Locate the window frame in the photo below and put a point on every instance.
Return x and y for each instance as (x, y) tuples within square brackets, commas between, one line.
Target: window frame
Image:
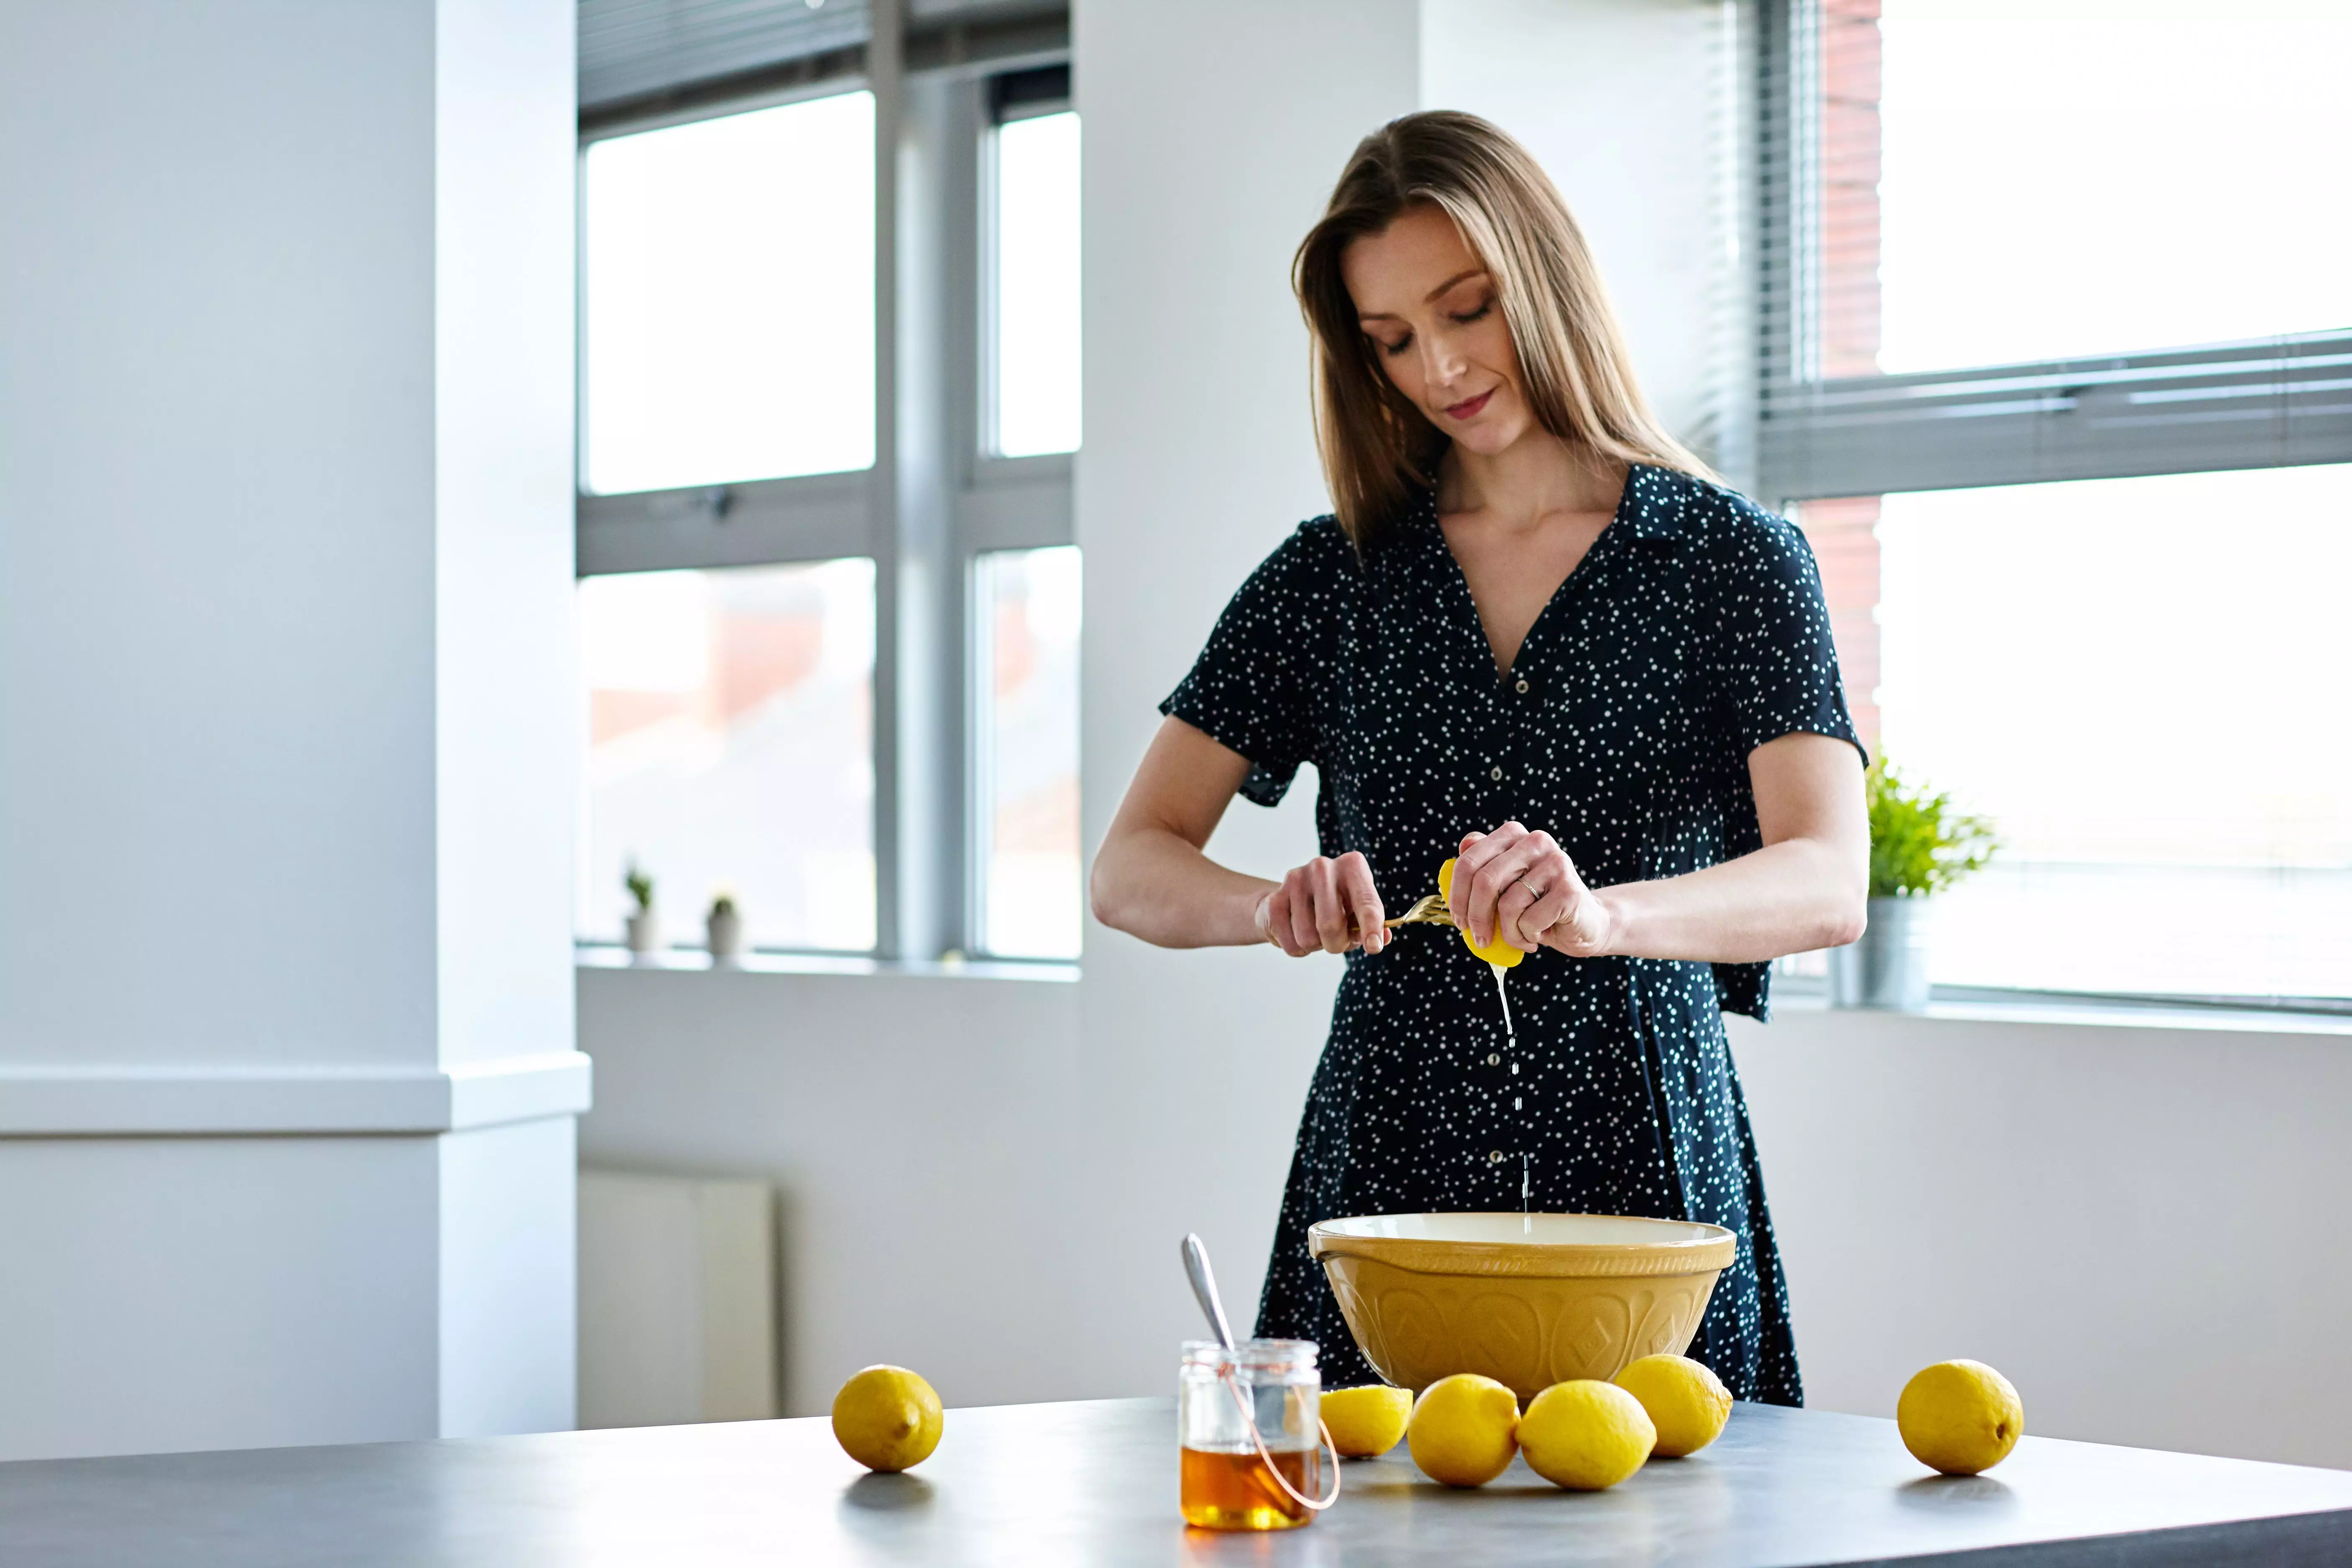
[(2284, 400), (934, 501)]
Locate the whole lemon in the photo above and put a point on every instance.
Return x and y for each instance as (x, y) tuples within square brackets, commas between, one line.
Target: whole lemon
[(1687, 1403), (1959, 1418), (1500, 953), (887, 1418), (1586, 1435), (1366, 1421), (1464, 1429)]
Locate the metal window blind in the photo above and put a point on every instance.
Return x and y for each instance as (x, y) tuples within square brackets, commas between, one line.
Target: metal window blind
[(1831, 206), (631, 48)]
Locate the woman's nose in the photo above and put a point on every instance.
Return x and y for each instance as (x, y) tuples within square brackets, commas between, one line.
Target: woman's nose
[(1442, 359)]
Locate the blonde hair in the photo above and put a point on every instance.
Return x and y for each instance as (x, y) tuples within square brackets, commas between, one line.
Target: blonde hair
[(1377, 446)]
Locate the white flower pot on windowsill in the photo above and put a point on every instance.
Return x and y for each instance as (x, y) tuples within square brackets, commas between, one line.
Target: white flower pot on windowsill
[(726, 936), (1888, 967), (644, 934)]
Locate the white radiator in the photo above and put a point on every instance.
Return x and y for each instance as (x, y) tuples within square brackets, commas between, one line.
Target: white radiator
[(677, 1301)]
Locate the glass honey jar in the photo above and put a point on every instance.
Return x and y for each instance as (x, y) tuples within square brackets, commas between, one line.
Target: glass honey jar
[(1250, 1431)]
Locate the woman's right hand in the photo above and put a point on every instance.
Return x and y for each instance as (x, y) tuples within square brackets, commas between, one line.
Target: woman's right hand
[(1325, 906)]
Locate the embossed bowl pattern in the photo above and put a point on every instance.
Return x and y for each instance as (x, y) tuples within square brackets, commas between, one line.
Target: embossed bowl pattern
[(1529, 1300)]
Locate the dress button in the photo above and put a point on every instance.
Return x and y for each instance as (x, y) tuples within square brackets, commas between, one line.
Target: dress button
[(1523, 687), (1515, 1069), (1515, 1102), (1496, 775), (1493, 1059), (1495, 1157)]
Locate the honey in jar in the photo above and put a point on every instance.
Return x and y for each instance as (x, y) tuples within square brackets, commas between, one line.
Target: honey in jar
[(1227, 1490)]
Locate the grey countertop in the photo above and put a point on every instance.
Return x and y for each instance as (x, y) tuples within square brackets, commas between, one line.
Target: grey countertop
[(1043, 1485)]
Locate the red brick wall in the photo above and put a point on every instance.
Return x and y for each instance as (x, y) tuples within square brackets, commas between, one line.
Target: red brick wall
[(1842, 531)]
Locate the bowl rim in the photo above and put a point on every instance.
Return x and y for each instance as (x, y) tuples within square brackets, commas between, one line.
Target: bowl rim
[(1708, 1253)]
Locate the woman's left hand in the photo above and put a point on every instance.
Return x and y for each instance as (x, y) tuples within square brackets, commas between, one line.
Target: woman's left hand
[(1522, 886)]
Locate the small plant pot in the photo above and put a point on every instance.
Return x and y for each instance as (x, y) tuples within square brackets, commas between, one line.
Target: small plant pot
[(1888, 967), (726, 936), (644, 934)]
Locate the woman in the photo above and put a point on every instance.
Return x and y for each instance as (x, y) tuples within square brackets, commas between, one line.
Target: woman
[(1538, 636)]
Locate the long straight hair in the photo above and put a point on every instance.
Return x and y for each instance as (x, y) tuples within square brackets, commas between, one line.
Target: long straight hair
[(1377, 448)]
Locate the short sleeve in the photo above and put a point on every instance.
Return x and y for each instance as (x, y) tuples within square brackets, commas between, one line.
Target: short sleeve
[(1774, 662), (1254, 686)]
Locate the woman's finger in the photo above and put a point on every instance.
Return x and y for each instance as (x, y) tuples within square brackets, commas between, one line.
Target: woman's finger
[(1512, 919), (1512, 847), (1544, 909), (1277, 917), (1331, 907), (1478, 851), (1532, 867), (1361, 900), (1304, 938)]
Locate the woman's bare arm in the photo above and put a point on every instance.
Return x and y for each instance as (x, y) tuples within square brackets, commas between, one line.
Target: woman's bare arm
[(1804, 889), (1151, 879)]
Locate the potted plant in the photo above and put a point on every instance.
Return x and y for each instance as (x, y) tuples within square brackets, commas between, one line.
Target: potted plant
[(725, 929), (645, 925), (1920, 845)]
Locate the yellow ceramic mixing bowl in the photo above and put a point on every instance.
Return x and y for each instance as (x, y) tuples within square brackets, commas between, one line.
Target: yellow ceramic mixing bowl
[(1526, 1299)]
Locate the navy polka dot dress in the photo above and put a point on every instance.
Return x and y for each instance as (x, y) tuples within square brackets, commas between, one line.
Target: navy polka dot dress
[(1692, 632)]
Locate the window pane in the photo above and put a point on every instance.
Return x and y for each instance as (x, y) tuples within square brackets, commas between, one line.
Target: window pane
[(728, 290), (1028, 737), (730, 748), (2069, 177), (2141, 681), (1037, 286)]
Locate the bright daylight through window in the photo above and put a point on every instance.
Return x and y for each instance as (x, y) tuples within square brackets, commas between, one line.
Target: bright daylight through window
[(2067, 177), (1027, 706), (727, 299), (2137, 678), (730, 745), (1036, 340)]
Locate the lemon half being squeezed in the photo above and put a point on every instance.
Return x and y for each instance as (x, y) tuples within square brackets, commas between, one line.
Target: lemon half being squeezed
[(1498, 953)]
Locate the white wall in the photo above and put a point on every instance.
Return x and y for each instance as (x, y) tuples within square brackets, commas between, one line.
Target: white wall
[(286, 1065), (986, 1179), (922, 1134)]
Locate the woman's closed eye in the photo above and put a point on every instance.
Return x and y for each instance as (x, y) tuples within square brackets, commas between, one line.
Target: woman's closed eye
[(1467, 317)]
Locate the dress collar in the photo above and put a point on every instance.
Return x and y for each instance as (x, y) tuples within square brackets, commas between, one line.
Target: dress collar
[(1651, 507)]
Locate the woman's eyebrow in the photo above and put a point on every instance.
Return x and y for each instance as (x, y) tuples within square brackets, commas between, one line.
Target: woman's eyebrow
[(1434, 294)]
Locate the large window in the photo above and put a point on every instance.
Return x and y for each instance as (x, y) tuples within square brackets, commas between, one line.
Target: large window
[(2059, 383), (829, 618)]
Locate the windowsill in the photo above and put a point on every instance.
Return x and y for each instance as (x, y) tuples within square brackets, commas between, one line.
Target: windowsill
[(694, 961), (2088, 1011)]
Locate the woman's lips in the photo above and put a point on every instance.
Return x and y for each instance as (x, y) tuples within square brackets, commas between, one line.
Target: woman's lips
[(1468, 408)]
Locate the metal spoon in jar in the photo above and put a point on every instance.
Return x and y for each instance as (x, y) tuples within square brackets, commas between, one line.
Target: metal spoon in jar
[(1205, 1289)]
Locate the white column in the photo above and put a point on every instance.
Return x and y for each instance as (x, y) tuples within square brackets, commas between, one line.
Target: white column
[(287, 1077)]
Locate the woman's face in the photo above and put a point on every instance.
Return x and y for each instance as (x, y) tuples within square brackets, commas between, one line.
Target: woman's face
[(1429, 307)]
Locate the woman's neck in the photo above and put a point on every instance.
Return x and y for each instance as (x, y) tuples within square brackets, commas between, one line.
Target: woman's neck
[(1535, 475)]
